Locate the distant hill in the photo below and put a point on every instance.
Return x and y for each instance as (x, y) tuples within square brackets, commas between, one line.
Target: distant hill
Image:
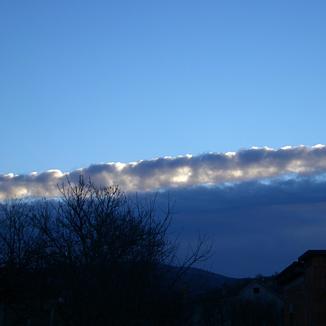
[(198, 281)]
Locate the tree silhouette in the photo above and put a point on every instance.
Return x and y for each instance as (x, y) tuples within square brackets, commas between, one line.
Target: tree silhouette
[(90, 257)]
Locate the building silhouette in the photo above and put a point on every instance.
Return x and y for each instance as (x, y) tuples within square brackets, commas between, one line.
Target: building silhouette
[(304, 290)]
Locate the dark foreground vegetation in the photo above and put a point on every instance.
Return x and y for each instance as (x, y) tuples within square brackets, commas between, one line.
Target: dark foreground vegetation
[(90, 257), (93, 257)]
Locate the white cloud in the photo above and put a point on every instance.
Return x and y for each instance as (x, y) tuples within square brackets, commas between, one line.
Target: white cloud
[(168, 172)]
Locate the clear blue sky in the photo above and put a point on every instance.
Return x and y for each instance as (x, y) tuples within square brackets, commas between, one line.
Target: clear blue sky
[(85, 82)]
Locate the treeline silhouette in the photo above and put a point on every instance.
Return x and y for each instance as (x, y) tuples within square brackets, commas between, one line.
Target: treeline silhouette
[(90, 257)]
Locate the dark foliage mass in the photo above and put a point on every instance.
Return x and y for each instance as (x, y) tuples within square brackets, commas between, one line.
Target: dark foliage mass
[(90, 257)]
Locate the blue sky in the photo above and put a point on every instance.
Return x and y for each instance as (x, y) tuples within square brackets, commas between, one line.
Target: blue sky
[(97, 81), (86, 82)]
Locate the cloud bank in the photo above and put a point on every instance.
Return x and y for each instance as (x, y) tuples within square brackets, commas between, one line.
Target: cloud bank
[(175, 172), (254, 227), (260, 207)]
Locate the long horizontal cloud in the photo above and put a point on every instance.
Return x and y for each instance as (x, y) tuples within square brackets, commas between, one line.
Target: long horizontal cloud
[(183, 171), (255, 227)]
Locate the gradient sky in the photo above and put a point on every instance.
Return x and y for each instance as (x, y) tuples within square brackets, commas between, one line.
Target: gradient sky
[(86, 82), (97, 81)]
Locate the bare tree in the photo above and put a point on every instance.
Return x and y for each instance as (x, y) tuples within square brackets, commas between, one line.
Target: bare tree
[(18, 239), (96, 256)]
